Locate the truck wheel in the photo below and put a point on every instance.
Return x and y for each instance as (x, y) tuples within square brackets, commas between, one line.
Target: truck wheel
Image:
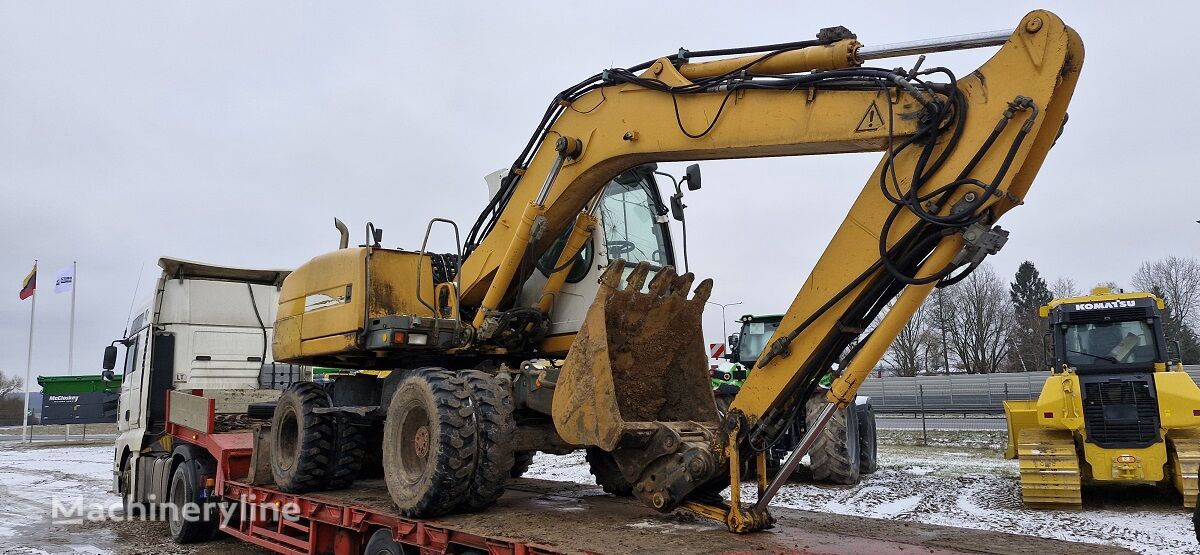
[(429, 443), (494, 425), (189, 518), (522, 460), (834, 456), (868, 446), (349, 450), (381, 543), (131, 508), (608, 474), (301, 440)]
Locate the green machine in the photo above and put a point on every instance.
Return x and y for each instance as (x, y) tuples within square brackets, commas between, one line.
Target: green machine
[(79, 399)]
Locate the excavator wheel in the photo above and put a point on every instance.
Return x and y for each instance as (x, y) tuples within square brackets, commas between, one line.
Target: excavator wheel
[(868, 444), (1183, 447), (493, 407), (1049, 467), (302, 440), (429, 443), (834, 456), (607, 474), (347, 456), (522, 460)]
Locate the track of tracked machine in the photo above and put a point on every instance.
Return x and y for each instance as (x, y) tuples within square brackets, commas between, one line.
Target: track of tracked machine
[(1050, 469), (1184, 449)]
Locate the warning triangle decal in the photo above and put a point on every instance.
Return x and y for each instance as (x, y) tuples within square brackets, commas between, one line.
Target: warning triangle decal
[(871, 120)]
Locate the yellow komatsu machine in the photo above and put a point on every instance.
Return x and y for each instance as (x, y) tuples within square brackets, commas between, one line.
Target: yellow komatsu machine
[(1115, 409), (562, 324)]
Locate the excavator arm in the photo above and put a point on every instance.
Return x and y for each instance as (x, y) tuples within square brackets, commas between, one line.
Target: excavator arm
[(959, 153)]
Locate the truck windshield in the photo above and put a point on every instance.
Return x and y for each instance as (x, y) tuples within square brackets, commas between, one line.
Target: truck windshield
[(1110, 343), (753, 339)]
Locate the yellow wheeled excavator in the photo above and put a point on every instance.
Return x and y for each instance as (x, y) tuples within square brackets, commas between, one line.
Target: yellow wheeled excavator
[(1115, 410), (561, 324)]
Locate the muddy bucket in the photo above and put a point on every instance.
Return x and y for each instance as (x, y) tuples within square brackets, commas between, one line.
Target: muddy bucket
[(639, 358)]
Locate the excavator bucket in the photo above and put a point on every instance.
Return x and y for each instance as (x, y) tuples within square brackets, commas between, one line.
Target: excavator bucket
[(638, 359)]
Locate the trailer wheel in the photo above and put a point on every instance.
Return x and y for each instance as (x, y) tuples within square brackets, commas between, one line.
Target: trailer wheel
[(868, 446), (189, 518), (429, 443), (349, 450), (381, 543), (494, 425), (522, 460), (608, 474), (302, 441), (834, 456)]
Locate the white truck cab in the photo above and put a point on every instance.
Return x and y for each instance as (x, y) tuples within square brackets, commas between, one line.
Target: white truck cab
[(206, 330)]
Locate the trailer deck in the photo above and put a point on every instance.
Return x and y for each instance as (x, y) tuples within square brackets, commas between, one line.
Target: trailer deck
[(542, 516)]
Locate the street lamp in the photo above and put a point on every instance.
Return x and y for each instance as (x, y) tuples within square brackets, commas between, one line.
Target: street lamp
[(724, 332)]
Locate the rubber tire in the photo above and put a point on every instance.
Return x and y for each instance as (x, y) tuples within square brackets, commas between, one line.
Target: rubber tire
[(128, 506), (834, 456), (1196, 522), (494, 426), (349, 451), (304, 467), (868, 442), (185, 488), (522, 460), (436, 403), (608, 475), (381, 543)]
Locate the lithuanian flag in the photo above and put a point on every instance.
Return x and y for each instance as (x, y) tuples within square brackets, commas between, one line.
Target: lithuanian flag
[(30, 284)]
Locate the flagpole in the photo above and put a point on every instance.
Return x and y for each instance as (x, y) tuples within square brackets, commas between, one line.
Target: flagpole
[(71, 333), (29, 359)]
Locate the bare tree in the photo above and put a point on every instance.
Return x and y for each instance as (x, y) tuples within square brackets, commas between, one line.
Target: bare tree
[(9, 385), (939, 318), (909, 352), (1179, 281), (979, 336), (1064, 287)]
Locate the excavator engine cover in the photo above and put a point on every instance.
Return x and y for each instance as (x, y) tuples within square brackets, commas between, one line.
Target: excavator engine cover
[(637, 363)]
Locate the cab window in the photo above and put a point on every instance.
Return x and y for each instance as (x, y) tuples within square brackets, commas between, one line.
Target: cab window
[(634, 224)]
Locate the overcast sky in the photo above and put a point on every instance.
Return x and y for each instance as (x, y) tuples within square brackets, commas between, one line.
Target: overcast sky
[(233, 133)]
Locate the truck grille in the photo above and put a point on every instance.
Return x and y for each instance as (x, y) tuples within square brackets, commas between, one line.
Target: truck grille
[(1120, 412)]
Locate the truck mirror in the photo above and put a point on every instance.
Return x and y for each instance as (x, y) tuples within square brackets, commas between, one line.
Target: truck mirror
[(677, 207), (110, 357), (107, 375), (692, 176)]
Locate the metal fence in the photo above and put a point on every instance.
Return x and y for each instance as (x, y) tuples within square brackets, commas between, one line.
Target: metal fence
[(958, 393)]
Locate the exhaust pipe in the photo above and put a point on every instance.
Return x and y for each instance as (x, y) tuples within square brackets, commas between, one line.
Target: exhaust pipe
[(345, 233)]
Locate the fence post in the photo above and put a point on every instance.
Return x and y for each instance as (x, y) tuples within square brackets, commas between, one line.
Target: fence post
[(924, 431)]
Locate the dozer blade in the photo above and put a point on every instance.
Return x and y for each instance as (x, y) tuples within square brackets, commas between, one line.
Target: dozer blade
[(639, 358)]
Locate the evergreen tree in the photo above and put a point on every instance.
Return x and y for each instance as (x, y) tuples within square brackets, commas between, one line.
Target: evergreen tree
[(1028, 293), (1177, 330)]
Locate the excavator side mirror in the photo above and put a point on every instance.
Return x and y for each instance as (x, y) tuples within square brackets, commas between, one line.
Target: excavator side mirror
[(110, 357), (692, 176)]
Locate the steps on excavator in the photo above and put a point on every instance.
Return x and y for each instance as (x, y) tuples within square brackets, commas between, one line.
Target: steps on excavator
[(1049, 469), (1183, 447)]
